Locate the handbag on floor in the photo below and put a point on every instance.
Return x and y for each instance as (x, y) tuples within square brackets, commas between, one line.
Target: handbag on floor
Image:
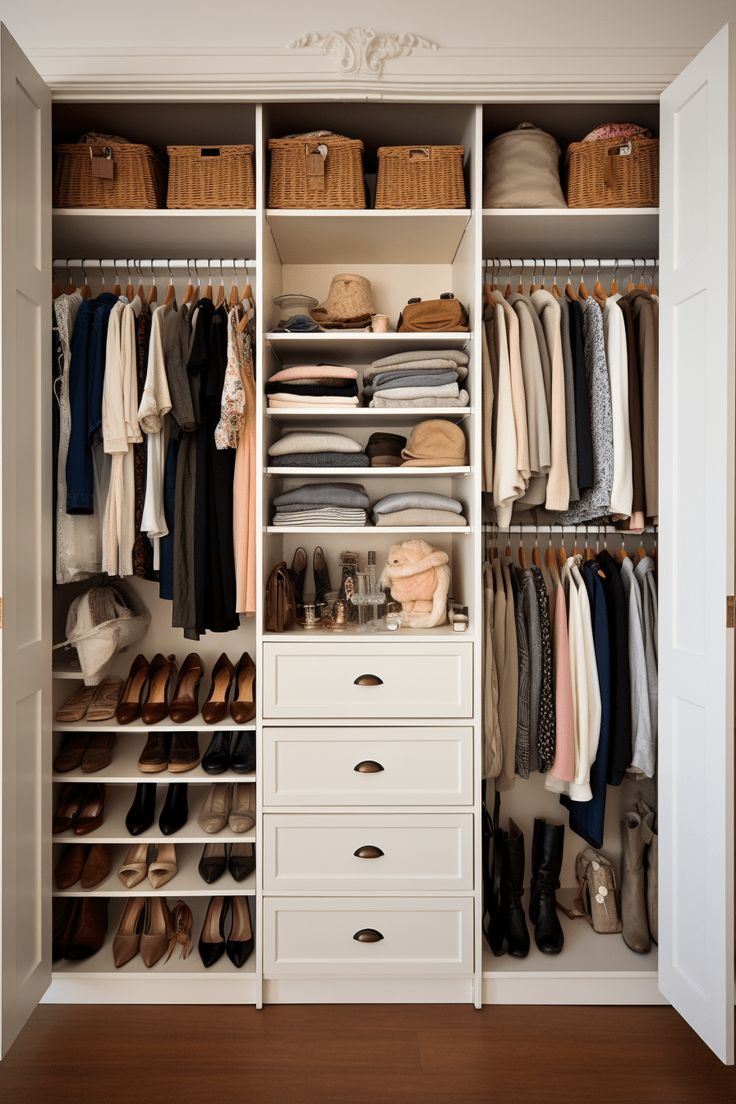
[(597, 899)]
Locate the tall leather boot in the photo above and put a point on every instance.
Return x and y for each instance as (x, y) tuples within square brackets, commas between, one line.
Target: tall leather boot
[(633, 885), (516, 932), (547, 848), (493, 925), (651, 841)]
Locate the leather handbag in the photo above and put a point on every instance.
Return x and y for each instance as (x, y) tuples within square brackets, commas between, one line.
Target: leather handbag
[(430, 315), (280, 600), (522, 169), (597, 899)]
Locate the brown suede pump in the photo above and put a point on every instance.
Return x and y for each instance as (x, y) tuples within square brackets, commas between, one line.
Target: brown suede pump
[(161, 675), (243, 705), (215, 708)]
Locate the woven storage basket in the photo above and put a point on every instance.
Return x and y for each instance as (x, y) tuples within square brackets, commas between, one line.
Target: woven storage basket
[(420, 176), (613, 173), (99, 171), (316, 171), (211, 176)]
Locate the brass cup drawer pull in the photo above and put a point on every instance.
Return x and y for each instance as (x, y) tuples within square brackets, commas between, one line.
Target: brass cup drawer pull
[(368, 935), (368, 766), (368, 680), (368, 851)]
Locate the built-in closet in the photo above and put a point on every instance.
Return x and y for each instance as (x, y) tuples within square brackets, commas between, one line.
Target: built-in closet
[(329, 925)]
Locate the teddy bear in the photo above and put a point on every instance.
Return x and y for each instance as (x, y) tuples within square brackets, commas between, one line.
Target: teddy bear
[(419, 578)]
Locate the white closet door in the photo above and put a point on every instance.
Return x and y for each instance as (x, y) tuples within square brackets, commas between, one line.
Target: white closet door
[(25, 536), (696, 558)]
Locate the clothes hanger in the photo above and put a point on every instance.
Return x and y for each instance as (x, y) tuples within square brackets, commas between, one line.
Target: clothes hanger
[(550, 560), (220, 297), (536, 551), (599, 292), (520, 285), (248, 303), (103, 281), (622, 555), (631, 286), (653, 289), (613, 290), (234, 297), (140, 290), (129, 290), (641, 286), (116, 285), (71, 286), (555, 286), (533, 285), (588, 552), (641, 552), (188, 295), (569, 289), (171, 290), (508, 289), (153, 290), (562, 556), (207, 293), (85, 290), (575, 549), (523, 562), (582, 289)]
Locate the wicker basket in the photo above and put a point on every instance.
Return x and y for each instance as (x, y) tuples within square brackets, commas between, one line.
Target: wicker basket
[(420, 176), (610, 173), (211, 176), (107, 173), (316, 171)]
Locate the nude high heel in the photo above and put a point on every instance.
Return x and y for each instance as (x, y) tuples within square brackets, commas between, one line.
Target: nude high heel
[(243, 813), (127, 939), (164, 867), (216, 808), (156, 931), (181, 930), (134, 866)]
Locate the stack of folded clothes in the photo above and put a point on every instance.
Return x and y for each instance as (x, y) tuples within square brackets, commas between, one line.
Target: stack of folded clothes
[(418, 508), (428, 377), (316, 449), (313, 385), (322, 504), (384, 449)]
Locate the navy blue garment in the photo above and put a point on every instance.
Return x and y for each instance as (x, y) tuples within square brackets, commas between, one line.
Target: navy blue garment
[(57, 365), (97, 355), (79, 470), (587, 817), (166, 544)]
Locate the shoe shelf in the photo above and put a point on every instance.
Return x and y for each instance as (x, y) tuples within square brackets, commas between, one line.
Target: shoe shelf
[(187, 882), (118, 800), (124, 767), (368, 473), (416, 636), (163, 726), (375, 416), (361, 346)]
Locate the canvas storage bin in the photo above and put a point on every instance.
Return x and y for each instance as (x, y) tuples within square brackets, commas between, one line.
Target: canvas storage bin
[(613, 172), (316, 170), (211, 176), (102, 170), (420, 176), (522, 169)]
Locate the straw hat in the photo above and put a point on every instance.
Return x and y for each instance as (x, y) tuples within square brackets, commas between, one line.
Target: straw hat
[(435, 443), (349, 301)]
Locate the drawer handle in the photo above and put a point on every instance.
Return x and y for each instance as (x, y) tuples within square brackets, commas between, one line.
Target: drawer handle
[(368, 935), (368, 680), (368, 852), (368, 766)]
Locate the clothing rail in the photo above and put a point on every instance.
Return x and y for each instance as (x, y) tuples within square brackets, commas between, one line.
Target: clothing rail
[(211, 264), (588, 264), (490, 528)]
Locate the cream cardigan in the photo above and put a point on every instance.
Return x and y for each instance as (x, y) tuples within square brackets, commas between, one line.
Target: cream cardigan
[(558, 482)]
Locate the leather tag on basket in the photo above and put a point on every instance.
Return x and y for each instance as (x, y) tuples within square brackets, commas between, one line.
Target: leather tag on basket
[(103, 166), (315, 161), (280, 600), (430, 315)]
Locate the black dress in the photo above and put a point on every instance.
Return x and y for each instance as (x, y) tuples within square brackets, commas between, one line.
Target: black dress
[(583, 434)]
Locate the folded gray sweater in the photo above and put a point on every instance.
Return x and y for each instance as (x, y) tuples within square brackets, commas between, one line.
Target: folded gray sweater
[(321, 460), (436, 364), (409, 379), (325, 515), (416, 500), (458, 355), (326, 494), (378, 401), (420, 518)]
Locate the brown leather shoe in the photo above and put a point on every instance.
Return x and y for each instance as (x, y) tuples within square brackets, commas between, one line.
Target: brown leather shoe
[(215, 708), (156, 930), (184, 754), (128, 936), (64, 919), (185, 705), (155, 754), (97, 865), (129, 706), (161, 675), (71, 752), (69, 867), (91, 814), (90, 928), (68, 806), (99, 752), (243, 705)]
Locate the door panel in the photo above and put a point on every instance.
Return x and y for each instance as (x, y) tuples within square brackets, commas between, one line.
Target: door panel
[(25, 537), (696, 559)]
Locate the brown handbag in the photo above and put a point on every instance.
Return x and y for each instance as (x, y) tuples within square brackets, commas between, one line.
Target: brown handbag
[(280, 601), (430, 315)]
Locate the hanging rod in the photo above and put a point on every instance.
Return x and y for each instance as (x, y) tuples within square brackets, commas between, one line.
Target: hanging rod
[(212, 263), (491, 529), (573, 262)]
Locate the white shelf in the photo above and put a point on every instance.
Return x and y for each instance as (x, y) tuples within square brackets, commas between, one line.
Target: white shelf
[(427, 636), (360, 346), (163, 726), (158, 233), (369, 473), (187, 882), (118, 800), (375, 416), (571, 232), (124, 767), (460, 530), (368, 237)]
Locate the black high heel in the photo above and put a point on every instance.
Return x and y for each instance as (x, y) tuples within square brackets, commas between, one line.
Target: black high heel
[(216, 759), (241, 860), (212, 936), (176, 809), (213, 862), (240, 942), (142, 812)]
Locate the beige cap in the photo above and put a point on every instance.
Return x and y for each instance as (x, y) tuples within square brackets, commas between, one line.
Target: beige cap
[(435, 443)]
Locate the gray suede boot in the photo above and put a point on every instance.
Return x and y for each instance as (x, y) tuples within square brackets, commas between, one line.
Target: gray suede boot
[(633, 885), (651, 840)]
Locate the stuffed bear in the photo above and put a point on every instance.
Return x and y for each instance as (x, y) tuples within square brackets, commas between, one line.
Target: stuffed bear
[(419, 577)]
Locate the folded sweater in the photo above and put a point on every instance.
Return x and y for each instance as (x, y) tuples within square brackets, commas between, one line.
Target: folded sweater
[(420, 500), (326, 494), (379, 402), (410, 379), (346, 388), (456, 355), (321, 460), (424, 367), (314, 371), (326, 515), (421, 518), (306, 441), (445, 390), (295, 401)]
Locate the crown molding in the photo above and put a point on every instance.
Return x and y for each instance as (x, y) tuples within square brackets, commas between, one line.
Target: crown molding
[(389, 67)]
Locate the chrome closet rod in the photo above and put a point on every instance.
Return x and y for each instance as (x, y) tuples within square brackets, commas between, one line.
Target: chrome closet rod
[(573, 262), (212, 263)]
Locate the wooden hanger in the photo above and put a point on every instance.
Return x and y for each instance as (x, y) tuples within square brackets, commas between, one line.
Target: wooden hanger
[(234, 297), (129, 290), (116, 285), (582, 289), (220, 297), (536, 551), (189, 289), (170, 291), (71, 286), (599, 292), (631, 286), (641, 552), (550, 560), (613, 290), (533, 285), (140, 290), (569, 289), (207, 293), (555, 286), (523, 562), (575, 549), (55, 287), (588, 552), (153, 290), (562, 556), (622, 555), (85, 290)]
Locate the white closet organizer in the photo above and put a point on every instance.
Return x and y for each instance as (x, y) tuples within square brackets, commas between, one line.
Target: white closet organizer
[(422, 725)]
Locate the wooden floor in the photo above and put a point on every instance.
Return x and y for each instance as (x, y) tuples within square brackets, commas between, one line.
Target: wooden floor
[(361, 1055)]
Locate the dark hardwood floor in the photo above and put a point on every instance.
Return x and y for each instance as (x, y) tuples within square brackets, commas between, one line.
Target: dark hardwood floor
[(361, 1055)]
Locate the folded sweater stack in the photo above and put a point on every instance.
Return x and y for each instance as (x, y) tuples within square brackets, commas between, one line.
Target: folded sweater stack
[(309, 449), (322, 504), (427, 377), (305, 385), (418, 508)]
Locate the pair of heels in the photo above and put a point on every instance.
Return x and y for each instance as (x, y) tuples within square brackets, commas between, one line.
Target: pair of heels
[(238, 858), (147, 690), (298, 572), (238, 943), (155, 861), (79, 927), (232, 804), (223, 754), (80, 807), (177, 752), (88, 753), (91, 703), (142, 812), (88, 864), (149, 927)]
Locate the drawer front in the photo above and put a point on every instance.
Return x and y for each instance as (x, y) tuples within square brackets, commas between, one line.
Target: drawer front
[(368, 766), (349, 679), (368, 853), (400, 937)]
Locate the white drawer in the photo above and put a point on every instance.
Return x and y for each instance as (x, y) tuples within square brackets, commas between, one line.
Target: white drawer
[(368, 766), (312, 936), (350, 679), (368, 853)]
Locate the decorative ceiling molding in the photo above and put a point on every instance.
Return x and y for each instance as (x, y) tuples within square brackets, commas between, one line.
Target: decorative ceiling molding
[(361, 50)]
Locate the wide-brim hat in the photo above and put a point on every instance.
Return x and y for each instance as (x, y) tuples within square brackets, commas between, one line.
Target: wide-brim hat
[(349, 300), (435, 444)]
